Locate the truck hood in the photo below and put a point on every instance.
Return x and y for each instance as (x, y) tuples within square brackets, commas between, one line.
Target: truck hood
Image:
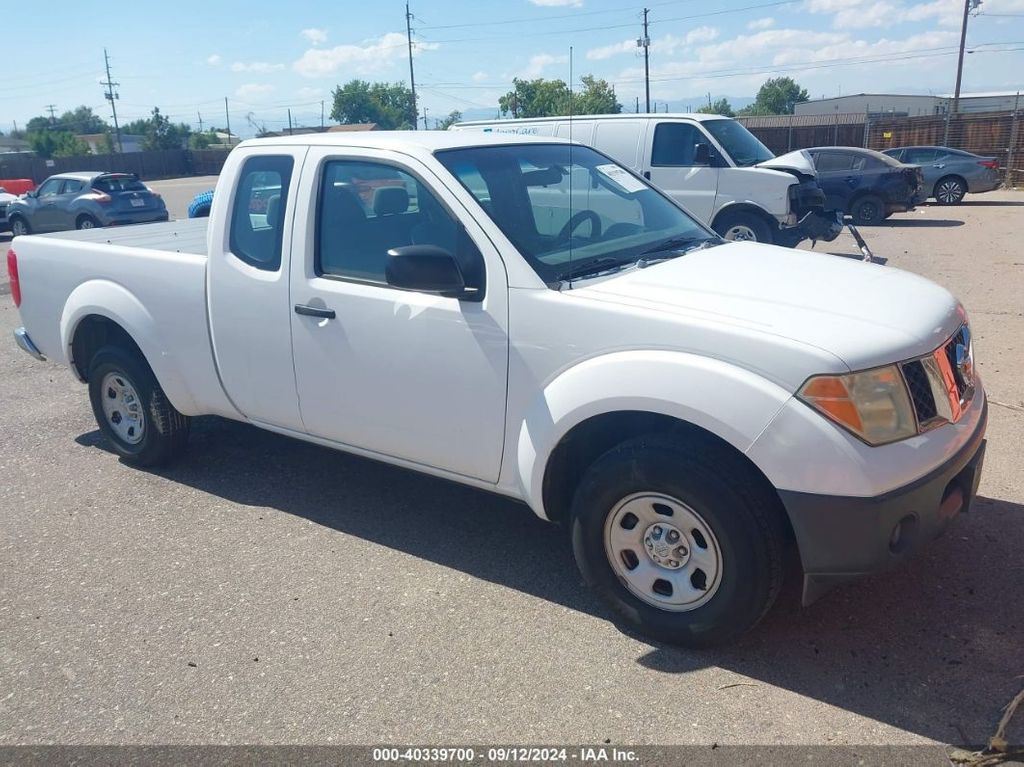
[(865, 314), (799, 162)]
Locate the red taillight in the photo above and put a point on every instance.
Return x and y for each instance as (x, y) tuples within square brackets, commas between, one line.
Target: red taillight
[(100, 196), (12, 272), (993, 164)]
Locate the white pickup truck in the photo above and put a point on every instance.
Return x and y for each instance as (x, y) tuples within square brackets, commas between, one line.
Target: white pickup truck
[(526, 316)]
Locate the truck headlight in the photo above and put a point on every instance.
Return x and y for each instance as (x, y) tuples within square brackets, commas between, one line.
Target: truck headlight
[(873, 404)]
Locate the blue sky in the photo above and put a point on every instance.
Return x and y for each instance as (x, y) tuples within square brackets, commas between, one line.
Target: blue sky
[(268, 56)]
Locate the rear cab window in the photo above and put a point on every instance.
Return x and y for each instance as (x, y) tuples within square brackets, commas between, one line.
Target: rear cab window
[(257, 213)]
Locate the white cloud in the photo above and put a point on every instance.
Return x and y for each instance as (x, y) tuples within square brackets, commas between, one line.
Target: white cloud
[(372, 56), (540, 62), (557, 3), (213, 60), (668, 44), (766, 23), (255, 66), (307, 92), (479, 77), (253, 91), (607, 51), (315, 36), (859, 14), (701, 35)]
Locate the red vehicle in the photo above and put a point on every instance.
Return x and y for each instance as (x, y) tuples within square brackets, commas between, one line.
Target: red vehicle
[(17, 185)]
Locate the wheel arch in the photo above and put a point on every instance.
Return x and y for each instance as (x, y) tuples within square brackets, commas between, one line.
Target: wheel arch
[(746, 207), (582, 413), (99, 311)]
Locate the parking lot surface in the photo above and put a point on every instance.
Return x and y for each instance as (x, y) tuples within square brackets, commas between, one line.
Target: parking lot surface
[(269, 591)]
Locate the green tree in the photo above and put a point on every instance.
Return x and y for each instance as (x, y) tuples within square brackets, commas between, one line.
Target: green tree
[(719, 107), (107, 145), (550, 98), (81, 120), (446, 122), (56, 143), (778, 96), (390, 105), (161, 133), (596, 98)]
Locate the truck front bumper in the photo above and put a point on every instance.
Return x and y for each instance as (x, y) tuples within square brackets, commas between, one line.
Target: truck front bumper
[(843, 538), (21, 338)]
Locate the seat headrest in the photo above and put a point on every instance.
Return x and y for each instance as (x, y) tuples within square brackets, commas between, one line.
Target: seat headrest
[(389, 200), (274, 211)]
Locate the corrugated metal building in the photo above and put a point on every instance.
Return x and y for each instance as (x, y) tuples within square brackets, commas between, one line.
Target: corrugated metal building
[(908, 105)]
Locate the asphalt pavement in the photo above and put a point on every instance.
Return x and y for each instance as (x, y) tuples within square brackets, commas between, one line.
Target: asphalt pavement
[(265, 590)]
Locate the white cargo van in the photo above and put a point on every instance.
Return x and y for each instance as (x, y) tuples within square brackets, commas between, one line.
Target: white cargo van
[(712, 165)]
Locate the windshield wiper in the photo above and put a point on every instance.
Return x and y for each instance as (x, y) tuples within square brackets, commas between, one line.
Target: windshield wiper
[(679, 245), (593, 266)]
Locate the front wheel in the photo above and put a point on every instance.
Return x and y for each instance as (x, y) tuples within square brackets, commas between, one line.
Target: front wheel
[(19, 227), (679, 539), (132, 411), (743, 227)]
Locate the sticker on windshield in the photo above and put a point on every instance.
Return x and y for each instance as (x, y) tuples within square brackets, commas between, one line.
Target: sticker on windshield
[(621, 177)]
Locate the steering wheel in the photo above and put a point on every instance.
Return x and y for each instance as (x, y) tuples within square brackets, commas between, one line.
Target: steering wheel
[(578, 218)]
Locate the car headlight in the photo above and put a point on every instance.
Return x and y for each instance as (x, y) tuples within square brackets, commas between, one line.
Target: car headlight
[(873, 404)]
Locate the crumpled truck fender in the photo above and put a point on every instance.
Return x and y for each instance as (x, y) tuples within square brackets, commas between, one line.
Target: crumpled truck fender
[(108, 299), (728, 401)]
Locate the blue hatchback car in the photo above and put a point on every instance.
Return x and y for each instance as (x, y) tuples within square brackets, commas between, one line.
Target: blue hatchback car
[(85, 201)]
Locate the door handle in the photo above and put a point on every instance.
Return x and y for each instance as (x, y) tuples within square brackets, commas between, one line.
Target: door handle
[(314, 311)]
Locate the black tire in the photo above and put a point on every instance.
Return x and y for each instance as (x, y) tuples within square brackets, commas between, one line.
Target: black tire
[(85, 221), (744, 516), (165, 430), (949, 190), (868, 210), (19, 226), (742, 226)]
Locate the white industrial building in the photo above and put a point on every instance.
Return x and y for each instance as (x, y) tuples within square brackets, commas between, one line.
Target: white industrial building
[(911, 105)]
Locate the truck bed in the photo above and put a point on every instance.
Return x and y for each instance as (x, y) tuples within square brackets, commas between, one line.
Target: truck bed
[(184, 236)]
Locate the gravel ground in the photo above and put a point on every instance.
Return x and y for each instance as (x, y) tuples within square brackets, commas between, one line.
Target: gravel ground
[(269, 591)]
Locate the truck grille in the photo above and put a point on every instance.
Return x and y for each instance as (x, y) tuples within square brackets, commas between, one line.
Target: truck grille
[(941, 384)]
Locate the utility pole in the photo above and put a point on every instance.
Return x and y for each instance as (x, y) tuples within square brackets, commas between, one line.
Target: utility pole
[(425, 126), (112, 95), (289, 121), (969, 5), (412, 77), (637, 110), (200, 116), (51, 108), (227, 120), (645, 43)]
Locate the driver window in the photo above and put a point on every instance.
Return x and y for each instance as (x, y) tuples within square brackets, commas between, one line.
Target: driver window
[(50, 188)]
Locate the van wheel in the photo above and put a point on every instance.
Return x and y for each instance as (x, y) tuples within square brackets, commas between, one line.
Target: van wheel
[(679, 539), (132, 411), (743, 227)]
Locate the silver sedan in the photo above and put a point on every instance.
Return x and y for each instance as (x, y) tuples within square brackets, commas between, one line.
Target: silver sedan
[(949, 174)]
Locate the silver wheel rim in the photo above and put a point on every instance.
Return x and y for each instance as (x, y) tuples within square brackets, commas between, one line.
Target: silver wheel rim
[(740, 233), (87, 224), (663, 552), (949, 191), (122, 408)]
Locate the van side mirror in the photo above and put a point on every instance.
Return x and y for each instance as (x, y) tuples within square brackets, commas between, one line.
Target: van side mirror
[(426, 269), (701, 154)]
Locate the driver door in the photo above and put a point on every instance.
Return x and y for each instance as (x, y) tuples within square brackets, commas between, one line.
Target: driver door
[(675, 170), (45, 214)]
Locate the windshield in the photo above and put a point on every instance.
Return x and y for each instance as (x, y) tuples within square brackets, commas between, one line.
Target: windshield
[(738, 142), (569, 210)]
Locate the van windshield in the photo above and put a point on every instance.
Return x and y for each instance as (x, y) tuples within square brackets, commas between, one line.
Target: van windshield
[(741, 144), (571, 211)]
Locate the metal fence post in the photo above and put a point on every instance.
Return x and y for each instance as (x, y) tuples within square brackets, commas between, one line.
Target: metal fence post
[(1014, 122), (789, 141), (867, 124), (945, 133)]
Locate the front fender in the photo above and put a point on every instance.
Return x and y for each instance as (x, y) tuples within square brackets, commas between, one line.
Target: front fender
[(116, 303), (730, 402)]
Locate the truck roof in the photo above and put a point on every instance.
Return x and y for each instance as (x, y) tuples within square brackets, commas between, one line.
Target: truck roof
[(427, 141), (699, 116)]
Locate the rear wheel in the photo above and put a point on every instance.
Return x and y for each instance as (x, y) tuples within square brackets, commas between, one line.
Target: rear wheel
[(132, 411), (19, 227), (86, 222), (679, 539), (950, 190), (868, 210), (743, 227)]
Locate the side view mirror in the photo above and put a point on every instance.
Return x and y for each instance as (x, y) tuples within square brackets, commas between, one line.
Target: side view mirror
[(701, 154), (426, 269), (32, 193)]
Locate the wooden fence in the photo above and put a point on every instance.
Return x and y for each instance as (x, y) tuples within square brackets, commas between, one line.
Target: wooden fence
[(149, 165)]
